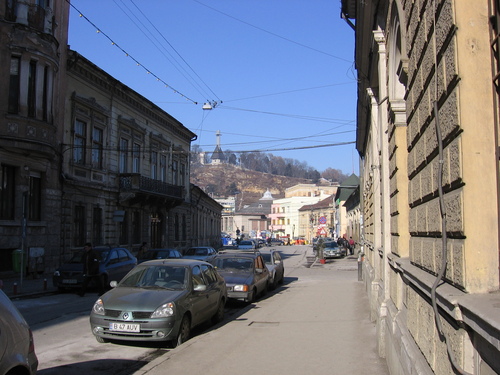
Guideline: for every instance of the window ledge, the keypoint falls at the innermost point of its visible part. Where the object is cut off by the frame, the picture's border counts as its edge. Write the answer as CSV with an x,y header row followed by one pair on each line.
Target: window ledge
x,y
479,311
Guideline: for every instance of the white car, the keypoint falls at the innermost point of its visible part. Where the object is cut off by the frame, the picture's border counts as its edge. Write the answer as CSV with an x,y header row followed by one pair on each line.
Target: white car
x,y
247,245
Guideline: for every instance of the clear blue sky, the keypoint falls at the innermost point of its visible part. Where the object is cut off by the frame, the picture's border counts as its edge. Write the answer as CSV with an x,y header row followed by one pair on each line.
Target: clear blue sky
x,y
280,72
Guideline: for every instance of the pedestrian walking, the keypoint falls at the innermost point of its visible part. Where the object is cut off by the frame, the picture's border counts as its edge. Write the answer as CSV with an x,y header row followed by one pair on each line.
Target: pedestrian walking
x,y
352,244
90,270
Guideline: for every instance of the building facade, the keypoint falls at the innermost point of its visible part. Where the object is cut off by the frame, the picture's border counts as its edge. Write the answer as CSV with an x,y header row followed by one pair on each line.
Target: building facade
x,y
285,217
427,135
33,39
84,157
317,220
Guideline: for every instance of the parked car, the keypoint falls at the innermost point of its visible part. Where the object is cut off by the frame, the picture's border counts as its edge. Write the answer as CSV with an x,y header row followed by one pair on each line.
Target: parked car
x,y
160,300
276,242
247,244
205,253
245,273
17,349
159,254
114,264
275,265
332,250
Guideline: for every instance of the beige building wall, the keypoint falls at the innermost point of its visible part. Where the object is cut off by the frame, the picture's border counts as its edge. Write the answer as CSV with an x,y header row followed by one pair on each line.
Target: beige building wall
x,y
428,138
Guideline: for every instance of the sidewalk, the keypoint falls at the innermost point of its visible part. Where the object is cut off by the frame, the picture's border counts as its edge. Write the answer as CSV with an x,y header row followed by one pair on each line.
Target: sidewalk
x,y
14,287
316,323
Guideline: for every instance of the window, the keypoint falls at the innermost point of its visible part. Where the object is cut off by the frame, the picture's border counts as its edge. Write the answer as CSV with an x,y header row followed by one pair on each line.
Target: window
x,y
197,277
124,229
176,227
35,199
182,174
79,226
32,89
97,147
136,227
97,226
184,226
45,94
136,156
163,168
208,273
79,142
123,155
175,176
154,166
14,85
7,192
114,257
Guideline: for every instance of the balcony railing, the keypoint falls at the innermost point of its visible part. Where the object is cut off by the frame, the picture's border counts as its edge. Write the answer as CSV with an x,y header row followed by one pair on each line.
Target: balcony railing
x,y
132,182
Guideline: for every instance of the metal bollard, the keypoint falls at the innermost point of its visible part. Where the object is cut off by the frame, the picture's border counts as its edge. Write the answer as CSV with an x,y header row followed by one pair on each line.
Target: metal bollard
x,y
360,266
44,284
15,288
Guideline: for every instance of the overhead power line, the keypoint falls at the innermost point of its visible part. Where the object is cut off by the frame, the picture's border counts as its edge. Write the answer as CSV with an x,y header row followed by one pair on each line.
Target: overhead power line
x,y
98,30
273,34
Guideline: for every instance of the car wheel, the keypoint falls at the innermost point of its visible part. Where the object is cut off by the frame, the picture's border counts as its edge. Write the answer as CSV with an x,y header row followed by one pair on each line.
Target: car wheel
x,y
101,339
251,296
219,315
282,278
184,332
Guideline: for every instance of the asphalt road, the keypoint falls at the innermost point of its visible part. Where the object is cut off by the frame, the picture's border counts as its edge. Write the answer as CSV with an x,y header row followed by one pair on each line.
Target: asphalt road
x,y
316,322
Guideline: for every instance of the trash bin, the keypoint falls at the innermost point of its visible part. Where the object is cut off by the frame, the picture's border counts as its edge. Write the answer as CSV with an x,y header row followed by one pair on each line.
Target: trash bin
x,y
17,255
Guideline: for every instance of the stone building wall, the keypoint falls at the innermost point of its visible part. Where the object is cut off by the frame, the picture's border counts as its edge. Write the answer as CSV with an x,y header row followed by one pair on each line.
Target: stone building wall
x,y
426,66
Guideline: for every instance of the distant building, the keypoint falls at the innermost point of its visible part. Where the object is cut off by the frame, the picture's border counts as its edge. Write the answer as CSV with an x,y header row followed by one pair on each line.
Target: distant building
x,y
317,220
228,207
346,188
218,156
253,219
285,216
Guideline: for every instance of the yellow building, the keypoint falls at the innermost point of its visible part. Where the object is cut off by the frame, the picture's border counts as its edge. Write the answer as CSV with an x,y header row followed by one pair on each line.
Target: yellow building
x,y
427,134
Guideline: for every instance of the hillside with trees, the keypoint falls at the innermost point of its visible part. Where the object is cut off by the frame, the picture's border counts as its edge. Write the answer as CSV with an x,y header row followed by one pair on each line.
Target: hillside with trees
x,y
250,175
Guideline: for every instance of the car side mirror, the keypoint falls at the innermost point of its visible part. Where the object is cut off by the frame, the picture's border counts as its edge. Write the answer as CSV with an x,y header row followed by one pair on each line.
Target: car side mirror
x,y
113,284
259,270
200,288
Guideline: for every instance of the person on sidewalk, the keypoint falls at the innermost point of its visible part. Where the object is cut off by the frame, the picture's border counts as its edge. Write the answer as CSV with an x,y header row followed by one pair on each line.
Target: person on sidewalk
x,y
90,270
352,245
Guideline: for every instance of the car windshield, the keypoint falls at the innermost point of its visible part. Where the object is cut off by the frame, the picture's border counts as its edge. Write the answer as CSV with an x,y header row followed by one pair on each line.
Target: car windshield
x,y
331,245
168,277
242,264
267,258
78,256
197,252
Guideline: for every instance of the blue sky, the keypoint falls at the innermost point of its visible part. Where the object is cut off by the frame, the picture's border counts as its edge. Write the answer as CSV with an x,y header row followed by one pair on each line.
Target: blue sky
x,y
279,73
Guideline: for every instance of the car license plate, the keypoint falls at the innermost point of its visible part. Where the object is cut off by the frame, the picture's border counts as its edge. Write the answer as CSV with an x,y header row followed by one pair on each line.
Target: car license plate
x,y
69,281
125,327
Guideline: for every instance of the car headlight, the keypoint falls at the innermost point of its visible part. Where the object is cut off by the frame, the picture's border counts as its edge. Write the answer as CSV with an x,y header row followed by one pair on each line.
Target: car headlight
x,y
98,307
241,288
165,310
57,273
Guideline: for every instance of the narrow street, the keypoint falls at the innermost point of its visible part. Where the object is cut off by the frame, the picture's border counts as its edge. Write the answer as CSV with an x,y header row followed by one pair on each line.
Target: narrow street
x,y
316,321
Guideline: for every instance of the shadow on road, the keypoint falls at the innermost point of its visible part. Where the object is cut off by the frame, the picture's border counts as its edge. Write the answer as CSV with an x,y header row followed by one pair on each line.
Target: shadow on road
x,y
103,366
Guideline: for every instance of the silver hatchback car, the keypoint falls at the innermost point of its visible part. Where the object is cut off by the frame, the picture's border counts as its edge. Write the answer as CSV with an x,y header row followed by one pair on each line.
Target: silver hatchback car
x,y
17,350
160,300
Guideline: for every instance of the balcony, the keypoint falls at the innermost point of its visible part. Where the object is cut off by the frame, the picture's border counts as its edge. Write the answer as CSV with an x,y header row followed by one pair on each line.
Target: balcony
x,y
137,188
